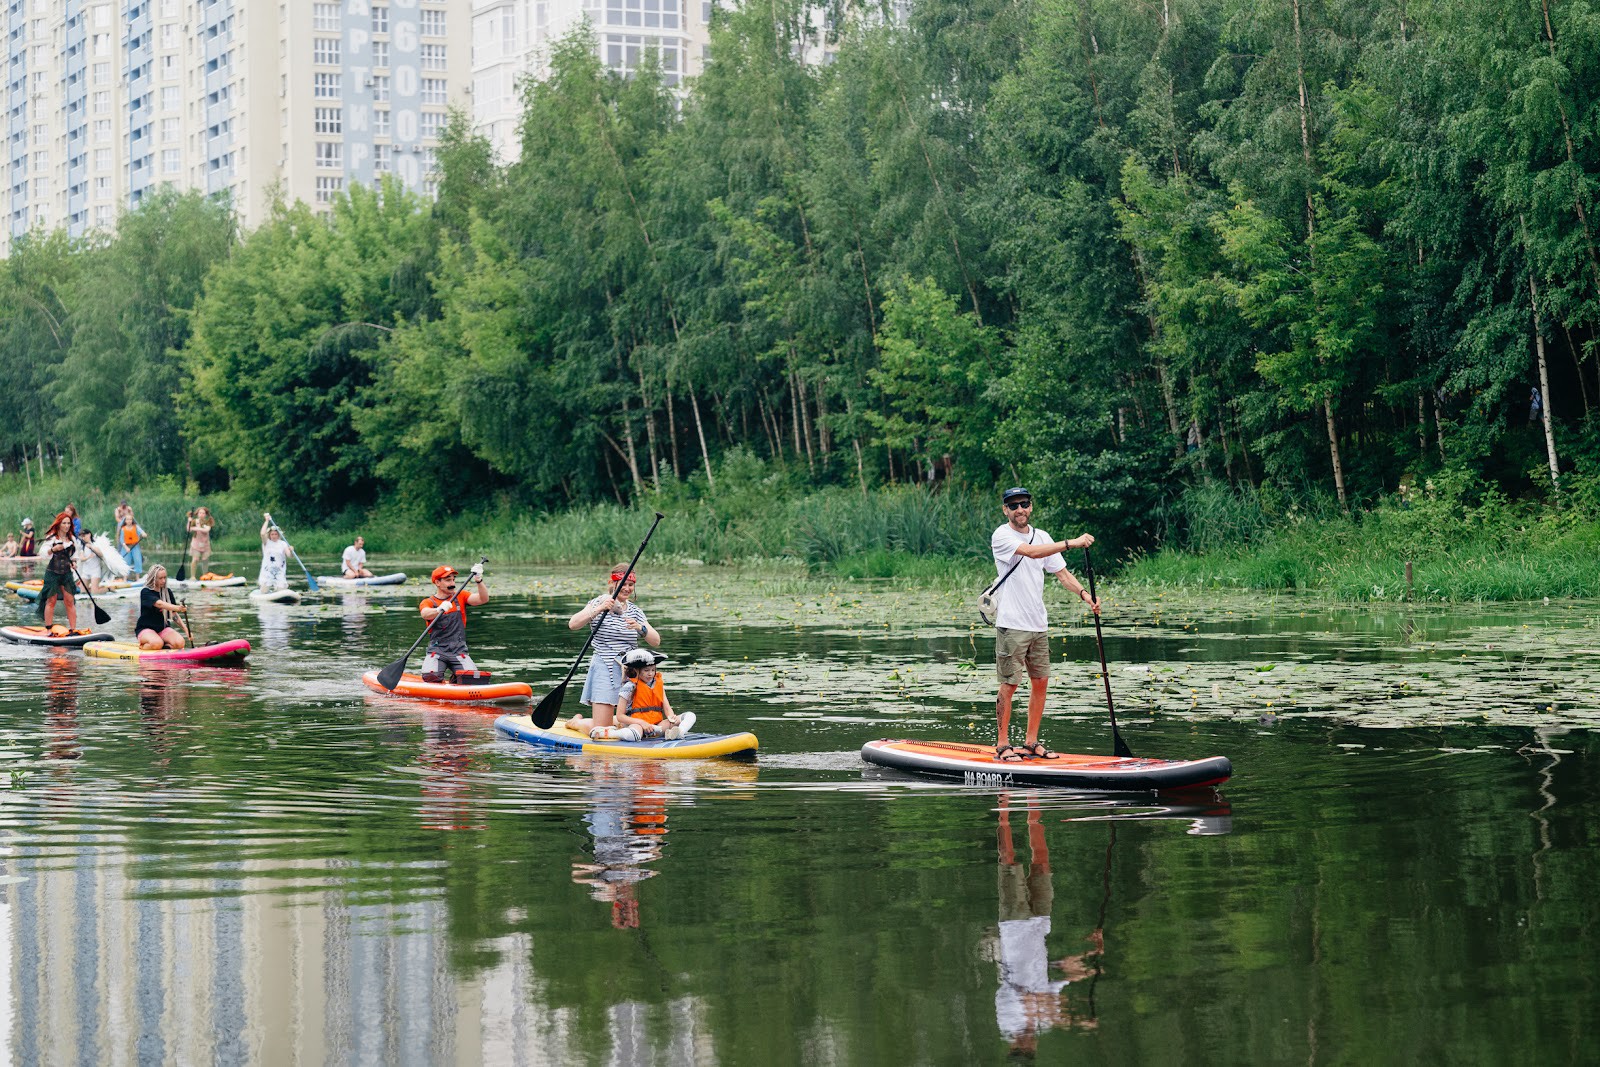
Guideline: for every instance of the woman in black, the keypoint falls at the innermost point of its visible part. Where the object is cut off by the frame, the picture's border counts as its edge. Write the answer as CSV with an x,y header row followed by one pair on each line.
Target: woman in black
x,y
58,547
152,628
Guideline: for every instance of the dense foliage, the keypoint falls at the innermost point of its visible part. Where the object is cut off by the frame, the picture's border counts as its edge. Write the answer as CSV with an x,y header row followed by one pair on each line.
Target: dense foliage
x,y
1116,251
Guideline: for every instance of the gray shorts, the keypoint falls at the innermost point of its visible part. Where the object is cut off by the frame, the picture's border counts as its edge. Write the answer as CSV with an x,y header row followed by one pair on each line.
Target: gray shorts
x,y
435,662
1021,654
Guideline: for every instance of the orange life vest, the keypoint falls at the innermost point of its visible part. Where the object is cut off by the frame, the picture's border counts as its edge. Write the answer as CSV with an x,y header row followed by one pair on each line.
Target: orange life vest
x,y
130,535
649,701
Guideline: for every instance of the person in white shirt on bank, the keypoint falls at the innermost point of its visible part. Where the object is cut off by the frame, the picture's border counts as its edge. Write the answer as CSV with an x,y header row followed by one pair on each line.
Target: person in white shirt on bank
x,y
355,560
275,551
1023,555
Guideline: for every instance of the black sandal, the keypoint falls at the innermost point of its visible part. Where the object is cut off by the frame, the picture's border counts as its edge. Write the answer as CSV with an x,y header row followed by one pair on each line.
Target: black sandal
x,y
1007,754
1036,750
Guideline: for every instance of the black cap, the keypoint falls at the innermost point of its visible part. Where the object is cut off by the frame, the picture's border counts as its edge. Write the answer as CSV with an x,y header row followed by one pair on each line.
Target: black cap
x,y
1014,493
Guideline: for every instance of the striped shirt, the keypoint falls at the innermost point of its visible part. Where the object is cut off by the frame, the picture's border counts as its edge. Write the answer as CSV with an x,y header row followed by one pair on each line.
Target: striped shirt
x,y
612,637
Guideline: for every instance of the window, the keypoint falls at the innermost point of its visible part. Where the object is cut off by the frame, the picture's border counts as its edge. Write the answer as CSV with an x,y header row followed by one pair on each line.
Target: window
x,y
433,91
433,24
433,57
325,18
102,188
169,131
102,130
41,187
169,9
380,53
330,155
171,161
382,158
325,51
169,68
380,89
102,159
328,188
102,73
329,120
658,14
380,123
327,86
432,123
169,36
102,215
625,52
169,98
102,103
380,18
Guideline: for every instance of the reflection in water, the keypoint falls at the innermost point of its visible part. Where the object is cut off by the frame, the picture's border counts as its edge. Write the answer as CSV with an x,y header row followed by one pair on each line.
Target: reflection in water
x,y
1028,1000
274,626
353,616
446,756
163,696
61,705
628,821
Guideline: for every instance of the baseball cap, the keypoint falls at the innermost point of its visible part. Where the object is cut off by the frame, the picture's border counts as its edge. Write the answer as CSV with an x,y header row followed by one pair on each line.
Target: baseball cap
x,y
1016,492
443,571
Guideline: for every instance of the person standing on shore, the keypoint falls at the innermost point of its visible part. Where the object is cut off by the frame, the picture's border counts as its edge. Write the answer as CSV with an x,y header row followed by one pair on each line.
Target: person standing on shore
x,y
1023,555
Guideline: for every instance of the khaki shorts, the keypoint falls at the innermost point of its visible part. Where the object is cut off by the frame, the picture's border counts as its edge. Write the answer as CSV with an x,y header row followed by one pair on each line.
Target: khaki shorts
x,y
1021,654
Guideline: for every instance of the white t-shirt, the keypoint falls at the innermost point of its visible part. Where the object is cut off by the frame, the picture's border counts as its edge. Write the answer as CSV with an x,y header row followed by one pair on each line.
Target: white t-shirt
x,y
355,558
275,554
1024,969
1022,595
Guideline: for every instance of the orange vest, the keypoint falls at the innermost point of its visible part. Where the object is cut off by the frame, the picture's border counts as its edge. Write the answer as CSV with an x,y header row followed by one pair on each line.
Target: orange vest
x,y
649,701
130,535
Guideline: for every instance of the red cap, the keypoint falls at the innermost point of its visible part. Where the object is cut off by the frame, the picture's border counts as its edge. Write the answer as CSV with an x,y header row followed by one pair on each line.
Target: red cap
x,y
443,571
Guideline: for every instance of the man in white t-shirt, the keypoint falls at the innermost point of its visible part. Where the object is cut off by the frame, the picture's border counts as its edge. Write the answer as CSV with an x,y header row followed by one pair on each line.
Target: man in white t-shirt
x,y
355,560
1023,555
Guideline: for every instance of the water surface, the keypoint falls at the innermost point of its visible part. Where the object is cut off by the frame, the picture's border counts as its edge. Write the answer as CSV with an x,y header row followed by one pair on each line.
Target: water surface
x,y
270,863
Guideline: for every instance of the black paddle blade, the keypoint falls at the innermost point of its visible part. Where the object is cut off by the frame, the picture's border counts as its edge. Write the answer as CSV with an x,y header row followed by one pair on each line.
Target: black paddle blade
x,y
1119,746
183,569
389,677
100,616
546,711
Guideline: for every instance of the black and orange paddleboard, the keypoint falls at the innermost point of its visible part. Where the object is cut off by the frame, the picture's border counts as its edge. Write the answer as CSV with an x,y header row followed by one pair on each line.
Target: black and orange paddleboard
x,y
40,635
977,765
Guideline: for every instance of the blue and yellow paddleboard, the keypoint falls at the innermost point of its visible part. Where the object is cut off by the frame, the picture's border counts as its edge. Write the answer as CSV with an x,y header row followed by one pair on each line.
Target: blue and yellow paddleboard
x,y
695,746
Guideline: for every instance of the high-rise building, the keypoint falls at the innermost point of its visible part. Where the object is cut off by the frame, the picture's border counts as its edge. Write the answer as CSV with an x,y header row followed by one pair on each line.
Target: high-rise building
x,y
512,40
107,100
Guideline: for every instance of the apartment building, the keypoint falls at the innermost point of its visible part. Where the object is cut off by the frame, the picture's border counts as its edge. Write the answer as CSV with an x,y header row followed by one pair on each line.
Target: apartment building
x,y
107,101
512,41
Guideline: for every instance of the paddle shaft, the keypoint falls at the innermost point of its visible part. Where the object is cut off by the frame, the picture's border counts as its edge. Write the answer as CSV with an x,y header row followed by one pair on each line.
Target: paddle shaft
x,y
389,677
1118,745
183,569
545,714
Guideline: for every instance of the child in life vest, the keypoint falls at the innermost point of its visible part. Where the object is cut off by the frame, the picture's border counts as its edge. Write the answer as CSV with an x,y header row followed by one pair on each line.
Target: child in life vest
x,y
643,709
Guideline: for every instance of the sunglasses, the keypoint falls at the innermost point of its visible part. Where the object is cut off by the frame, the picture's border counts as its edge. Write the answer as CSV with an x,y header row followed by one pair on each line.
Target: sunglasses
x,y
1018,505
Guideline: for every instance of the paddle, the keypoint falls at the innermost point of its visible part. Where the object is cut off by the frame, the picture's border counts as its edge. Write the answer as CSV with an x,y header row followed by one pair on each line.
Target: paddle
x,y
100,615
1118,746
183,569
544,715
311,583
389,677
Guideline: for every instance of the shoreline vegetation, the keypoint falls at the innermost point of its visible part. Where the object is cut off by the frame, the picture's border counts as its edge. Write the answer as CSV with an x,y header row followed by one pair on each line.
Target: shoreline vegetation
x,y
1465,541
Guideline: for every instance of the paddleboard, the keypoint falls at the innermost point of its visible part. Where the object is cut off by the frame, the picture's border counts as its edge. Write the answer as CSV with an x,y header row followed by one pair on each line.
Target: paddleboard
x,y
209,583
337,582
412,685
38,635
694,746
275,596
977,765
226,651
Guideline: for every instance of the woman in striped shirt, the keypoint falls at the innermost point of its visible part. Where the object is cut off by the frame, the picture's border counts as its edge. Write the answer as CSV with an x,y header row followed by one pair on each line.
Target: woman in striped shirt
x,y
618,625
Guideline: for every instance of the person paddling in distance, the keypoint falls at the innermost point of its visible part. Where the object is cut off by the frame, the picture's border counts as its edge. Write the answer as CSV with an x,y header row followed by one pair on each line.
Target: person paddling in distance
x,y
274,557
643,709
618,625
446,612
153,630
59,547
28,547
129,537
1022,638
354,560
199,528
